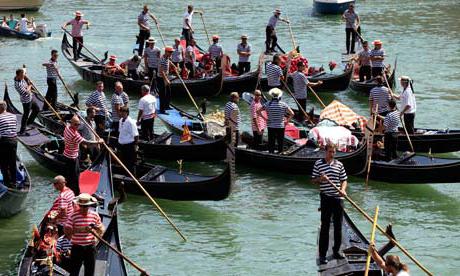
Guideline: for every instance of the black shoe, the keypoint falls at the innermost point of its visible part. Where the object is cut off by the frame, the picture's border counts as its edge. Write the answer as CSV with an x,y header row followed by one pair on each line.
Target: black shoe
x,y
338,256
322,260
352,52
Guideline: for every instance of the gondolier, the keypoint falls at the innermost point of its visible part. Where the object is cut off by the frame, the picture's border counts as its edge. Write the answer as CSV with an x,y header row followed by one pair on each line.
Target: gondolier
x,y
187,30
80,225
215,51
274,73
127,139
190,59
62,209
8,145
164,85
352,23
276,112
364,61
300,83
391,124
146,115
144,27
377,56
30,108
408,103
177,56
52,73
116,103
152,56
379,95
271,41
325,170
258,122
244,53
77,33
97,100
89,151
233,117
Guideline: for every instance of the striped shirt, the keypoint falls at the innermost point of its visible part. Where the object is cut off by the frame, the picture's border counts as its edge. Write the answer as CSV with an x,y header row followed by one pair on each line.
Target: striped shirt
x,y
143,18
8,125
79,220
274,73
125,98
243,48
177,54
153,56
261,122
63,244
22,87
232,115
300,83
377,53
64,201
381,96
164,66
215,50
273,21
72,140
51,69
391,121
116,100
365,57
97,99
276,110
77,27
335,171
350,19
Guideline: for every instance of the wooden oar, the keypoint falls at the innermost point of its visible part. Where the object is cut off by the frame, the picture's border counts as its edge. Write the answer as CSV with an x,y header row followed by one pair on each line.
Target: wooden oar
x,y
297,102
114,156
317,97
98,60
292,35
371,242
259,67
46,101
395,242
131,262
161,34
370,144
205,29
407,134
72,95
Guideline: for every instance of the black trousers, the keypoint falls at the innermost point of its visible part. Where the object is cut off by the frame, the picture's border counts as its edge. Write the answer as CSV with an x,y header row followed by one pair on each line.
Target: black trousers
x,y
143,36
377,71
330,207
391,144
83,255
77,43
188,36
191,68
164,91
271,39
51,93
114,129
128,155
92,150
147,129
257,141
303,103
153,78
365,72
30,111
133,74
350,35
244,67
409,120
179,65
72,174
100,124
275,135
8,148
218,62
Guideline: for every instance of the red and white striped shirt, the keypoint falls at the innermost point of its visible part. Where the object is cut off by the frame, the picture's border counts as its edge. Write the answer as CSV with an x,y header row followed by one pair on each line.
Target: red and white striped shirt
x,y
64,201
72,140
79,220
261,122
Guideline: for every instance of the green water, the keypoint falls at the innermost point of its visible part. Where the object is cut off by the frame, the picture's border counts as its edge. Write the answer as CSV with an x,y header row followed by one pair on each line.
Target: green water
x,y
268,226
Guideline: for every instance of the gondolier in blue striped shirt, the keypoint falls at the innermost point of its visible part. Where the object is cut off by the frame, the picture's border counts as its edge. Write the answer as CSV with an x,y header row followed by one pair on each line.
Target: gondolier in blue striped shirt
x,y
98,101
274,73
391,124
325,170
164,84
271,41
8,145
379,95
30,108
377,56
216,52
51,76
244,52
232,116
277,110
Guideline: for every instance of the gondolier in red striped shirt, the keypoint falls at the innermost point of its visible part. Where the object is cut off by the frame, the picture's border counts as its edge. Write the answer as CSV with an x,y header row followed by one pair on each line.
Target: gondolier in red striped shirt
x,y
72,141
62,209
84,242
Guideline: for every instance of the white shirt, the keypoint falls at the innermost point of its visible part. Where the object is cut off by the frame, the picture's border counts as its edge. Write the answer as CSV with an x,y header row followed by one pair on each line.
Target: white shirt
x,y
24,25
402,273
190,54
408,98
128,130
187,16
147,105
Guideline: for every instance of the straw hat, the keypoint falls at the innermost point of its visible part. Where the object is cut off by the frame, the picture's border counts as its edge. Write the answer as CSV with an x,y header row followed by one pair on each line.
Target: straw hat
x,y
245,36
78,13
377,42
114,57
275,93
404,78
214,37
85,199
151,40
278,11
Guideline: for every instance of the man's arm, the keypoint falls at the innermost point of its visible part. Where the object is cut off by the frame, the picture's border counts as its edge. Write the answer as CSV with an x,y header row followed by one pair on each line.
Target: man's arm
x,y
343,187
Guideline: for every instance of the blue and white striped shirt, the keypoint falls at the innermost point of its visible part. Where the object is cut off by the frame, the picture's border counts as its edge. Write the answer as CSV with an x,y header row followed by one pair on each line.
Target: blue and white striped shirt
x,y
97,99
375,53
243,48
51,69
335,171
276,110
273,21
274,74
177,54
300,82
8,125
215,50
116,100
391,121
63,244
381,96
153,56
232,115
22,87
163,67
125,98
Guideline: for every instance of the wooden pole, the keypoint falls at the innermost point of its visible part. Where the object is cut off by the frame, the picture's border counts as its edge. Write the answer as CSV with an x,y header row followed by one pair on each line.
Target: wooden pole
x,y
114,156
205,29
259,67
370,144
98,60
72,95
317,97
298,104
292,36
395,242
131,262
374,225
46,101
161,34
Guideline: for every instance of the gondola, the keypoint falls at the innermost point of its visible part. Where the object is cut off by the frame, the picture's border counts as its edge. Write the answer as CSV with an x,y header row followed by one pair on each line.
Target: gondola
x,y
91,70
107,261
165,146
242,83
7,32
12,200
355,247
366,86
